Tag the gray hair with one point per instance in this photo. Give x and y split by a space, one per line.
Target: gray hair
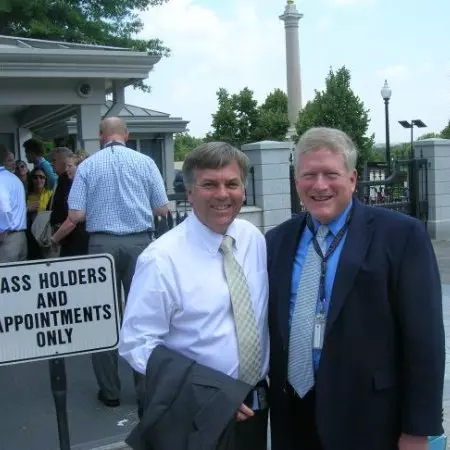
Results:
213 155
63 151
330 138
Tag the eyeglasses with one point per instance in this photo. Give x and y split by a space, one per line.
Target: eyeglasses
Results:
20 166
39 177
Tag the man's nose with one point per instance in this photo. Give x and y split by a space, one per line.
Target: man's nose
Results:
221 191
320 183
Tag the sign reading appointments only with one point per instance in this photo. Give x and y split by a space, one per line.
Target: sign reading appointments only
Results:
57 307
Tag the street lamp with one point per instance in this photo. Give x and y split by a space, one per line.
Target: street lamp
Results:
386 94
405 124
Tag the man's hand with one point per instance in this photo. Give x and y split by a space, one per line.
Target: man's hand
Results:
244 413
408 442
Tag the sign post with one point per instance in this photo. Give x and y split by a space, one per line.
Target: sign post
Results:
54 308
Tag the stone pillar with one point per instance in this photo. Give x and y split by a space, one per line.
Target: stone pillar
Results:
270 161
169 168
291 18
88 122
437 152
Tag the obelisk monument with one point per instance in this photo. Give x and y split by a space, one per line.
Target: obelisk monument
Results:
291 18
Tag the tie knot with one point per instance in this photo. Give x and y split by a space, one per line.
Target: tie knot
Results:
227 244
322 232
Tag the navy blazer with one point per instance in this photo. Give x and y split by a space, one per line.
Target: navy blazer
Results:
382 366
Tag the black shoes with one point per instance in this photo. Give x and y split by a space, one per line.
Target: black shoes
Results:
110 402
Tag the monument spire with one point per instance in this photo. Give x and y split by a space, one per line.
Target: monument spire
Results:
291 18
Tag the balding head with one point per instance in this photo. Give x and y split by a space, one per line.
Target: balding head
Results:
113 129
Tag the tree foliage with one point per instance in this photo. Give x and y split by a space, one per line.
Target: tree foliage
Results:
103 22
445 133
339 107
273 121
239 120
430 135
183 144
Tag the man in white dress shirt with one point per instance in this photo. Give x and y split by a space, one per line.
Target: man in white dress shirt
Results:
181 297
13 214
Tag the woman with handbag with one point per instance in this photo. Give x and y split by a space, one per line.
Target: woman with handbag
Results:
37 201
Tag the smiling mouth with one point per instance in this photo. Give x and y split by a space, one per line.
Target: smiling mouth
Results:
221 207
322 198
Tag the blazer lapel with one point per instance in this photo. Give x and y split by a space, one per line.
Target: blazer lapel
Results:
287 246
358 238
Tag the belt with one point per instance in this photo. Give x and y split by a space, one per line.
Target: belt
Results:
257 397
149 231
12 231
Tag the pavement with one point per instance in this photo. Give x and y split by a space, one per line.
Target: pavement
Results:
28 419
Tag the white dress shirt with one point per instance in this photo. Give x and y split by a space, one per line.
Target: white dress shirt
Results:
13 210
179 297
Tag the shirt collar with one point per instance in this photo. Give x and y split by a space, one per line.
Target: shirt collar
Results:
113 142
338 222
39 161
206 237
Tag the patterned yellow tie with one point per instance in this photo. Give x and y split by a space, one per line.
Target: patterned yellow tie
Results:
244 316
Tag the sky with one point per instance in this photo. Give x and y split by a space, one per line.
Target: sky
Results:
241 43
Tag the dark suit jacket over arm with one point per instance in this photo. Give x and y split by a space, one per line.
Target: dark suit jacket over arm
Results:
187 406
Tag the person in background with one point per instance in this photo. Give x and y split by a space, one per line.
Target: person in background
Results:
13 214
117 191
355 315
10 163
72 238
22 172
38 198
34 151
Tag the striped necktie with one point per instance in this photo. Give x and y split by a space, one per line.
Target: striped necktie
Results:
244 316
300 362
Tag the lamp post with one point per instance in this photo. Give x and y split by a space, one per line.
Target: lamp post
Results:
405 124
386 94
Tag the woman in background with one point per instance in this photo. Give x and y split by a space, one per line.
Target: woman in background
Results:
38 198
73 239
22 173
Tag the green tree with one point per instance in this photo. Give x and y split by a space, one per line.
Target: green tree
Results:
183 144
401 151
430 135
103 22
236 117
273 121
445 133
339 107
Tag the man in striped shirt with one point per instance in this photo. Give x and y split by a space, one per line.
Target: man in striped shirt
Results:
116 191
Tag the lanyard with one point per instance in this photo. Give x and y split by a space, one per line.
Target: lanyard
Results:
324 258
113 144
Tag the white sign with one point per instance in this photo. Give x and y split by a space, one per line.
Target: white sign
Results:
57 307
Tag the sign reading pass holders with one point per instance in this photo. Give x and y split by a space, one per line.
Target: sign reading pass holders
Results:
57 307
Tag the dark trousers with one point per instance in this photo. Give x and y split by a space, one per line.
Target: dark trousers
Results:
125 251
302 422
248 435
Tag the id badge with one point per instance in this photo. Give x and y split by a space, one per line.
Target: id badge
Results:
319 331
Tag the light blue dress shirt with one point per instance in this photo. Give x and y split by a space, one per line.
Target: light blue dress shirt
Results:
332 264
118 188
13 210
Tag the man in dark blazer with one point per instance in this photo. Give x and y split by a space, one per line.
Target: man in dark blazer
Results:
355 315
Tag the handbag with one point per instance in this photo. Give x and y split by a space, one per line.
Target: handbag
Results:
41 228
